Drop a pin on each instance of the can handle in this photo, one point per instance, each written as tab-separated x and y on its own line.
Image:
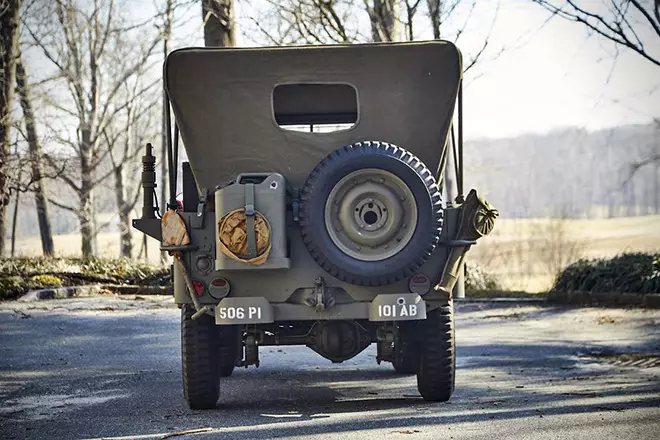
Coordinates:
252	178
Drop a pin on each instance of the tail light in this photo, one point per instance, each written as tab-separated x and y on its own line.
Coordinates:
199	287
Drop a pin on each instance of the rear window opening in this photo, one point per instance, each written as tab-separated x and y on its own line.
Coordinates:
318	128
315	108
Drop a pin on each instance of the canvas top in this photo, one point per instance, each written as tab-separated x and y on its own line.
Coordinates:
230	103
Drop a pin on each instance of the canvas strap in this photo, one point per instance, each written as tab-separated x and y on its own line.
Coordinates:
249	220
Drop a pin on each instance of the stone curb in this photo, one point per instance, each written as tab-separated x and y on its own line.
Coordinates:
606	299
467	300
78	291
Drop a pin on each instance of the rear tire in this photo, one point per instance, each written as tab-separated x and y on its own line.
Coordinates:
436	375
208	352
387	179
405	357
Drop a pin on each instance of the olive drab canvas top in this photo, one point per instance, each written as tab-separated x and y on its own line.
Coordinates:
226	105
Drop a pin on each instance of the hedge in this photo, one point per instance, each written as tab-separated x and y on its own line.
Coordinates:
18	275
628	272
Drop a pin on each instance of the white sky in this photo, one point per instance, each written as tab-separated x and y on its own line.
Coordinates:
548	76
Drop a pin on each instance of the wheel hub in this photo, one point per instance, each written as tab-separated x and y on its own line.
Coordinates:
370	214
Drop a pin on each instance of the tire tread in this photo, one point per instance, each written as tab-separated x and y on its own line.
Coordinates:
437	368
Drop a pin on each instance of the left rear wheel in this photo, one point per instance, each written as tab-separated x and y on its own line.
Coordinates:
208	352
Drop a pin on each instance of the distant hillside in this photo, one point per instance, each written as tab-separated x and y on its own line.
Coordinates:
570	172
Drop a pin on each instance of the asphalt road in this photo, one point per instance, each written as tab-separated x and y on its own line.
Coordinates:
109	368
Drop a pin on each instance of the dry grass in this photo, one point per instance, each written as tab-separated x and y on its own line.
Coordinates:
68	245
523	254
526	254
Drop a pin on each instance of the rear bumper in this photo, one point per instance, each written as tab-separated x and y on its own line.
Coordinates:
257	310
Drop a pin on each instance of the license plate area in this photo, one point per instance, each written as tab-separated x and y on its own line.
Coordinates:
397	307
253	310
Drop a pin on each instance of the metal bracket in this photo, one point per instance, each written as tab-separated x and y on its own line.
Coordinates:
249	220
457	243
322	299
251	352
295	205
197	222
319	292
182	248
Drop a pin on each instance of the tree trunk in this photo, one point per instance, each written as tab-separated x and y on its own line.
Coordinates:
86	213
14	222
125	237
86	231
656	189
384	16
219	29
630	201
163	140
9	34
40	198
434	15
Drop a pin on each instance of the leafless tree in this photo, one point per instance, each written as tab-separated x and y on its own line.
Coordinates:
167	35
443	11
411	11
632	24
79	42
219	27
36	154
123	140
9	36
385	19
307	22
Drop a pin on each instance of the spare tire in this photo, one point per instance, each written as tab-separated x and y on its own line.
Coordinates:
371	213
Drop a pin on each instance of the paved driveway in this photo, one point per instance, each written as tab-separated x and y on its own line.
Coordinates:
109	368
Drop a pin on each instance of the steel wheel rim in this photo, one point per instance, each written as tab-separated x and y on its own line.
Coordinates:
371	214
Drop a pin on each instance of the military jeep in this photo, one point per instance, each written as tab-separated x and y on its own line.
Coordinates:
312	211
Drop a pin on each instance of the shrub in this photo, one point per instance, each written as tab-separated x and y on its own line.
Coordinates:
38	281
478	279
11	287
630	272
20	274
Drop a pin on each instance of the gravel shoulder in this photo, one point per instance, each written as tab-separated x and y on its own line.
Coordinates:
108	367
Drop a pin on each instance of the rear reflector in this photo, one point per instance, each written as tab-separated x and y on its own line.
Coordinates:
199	287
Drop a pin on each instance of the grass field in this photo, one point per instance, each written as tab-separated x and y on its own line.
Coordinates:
526	254
523	254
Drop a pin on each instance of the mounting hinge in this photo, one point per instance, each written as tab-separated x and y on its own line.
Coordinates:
197	222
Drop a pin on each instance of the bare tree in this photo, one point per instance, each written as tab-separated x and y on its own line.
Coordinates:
219	27
632	24
35	153
123	140
9	35
167	35
411	11
78	42
307	22
650	159
442	12
385	19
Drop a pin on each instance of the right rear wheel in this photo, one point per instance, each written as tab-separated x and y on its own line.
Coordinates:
437	363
